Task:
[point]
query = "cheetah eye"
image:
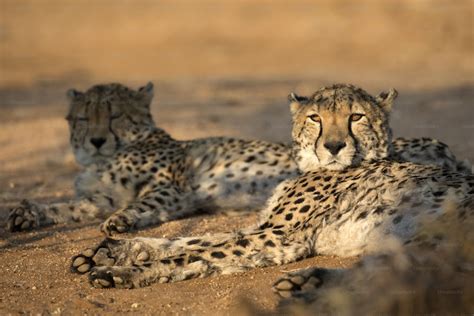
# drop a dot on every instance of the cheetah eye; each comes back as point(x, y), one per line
point(356, 117)
point(315, 118)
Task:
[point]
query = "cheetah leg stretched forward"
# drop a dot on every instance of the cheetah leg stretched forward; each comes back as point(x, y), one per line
point(29, 215)
point(162, 204)
point(139, 262)
point(152, 207)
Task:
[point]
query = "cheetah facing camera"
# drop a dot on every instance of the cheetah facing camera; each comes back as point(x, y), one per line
point(137, 175)
point(339, 129)
point(334, 210)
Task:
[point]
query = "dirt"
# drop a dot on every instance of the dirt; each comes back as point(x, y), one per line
point(219, 68)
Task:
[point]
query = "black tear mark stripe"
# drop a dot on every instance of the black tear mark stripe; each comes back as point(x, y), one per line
point(301, 129)
point(318, 138)
point(351, 134)
point(117, 139)
point(85, 134)
point(320, 134)
point(87, 111)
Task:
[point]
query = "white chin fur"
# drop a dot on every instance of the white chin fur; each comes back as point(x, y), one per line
point(85, 159)
point(307, 161)
point(310, 162)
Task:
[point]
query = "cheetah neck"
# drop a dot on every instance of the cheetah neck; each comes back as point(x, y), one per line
point(149, 133)
point(156, 134)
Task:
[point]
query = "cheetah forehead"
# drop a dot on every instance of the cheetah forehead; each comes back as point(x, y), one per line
point(110, 94)
point(342, 99)
point(113, 97)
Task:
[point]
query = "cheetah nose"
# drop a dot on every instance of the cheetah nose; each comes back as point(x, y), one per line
point(334, 147)
point(98, 142)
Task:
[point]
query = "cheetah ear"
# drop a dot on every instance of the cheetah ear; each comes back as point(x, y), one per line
point(147, 92)
point(386, 98)
point(296, 102)
point(73, 95)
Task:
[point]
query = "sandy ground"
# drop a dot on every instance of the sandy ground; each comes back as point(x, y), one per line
point(219, 68)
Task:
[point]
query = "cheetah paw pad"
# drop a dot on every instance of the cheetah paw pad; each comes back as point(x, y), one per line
point(24, 217)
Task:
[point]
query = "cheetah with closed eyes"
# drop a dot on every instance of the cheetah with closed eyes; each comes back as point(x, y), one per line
point(348, 197)
point(137, 175)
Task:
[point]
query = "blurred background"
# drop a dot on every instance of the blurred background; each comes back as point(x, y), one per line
point(126, 40)
point(226, 67)
point(220, 67)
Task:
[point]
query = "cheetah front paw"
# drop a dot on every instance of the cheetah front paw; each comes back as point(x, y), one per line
point(115, 277)
point(108, 253)
point(24, 217)
point(117, 224)
point(298, 283)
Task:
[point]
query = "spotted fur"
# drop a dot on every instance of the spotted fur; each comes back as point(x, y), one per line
point(137, 175)
point(343, 125)
point(402, 279)
point(330, 211)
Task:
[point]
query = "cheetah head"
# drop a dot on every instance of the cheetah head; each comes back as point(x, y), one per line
point(106, 117)
point(340, 126)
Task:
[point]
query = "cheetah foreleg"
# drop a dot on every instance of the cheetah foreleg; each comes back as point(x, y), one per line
point(156, 206)
point(200, 257)
point(29, 215)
